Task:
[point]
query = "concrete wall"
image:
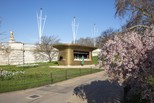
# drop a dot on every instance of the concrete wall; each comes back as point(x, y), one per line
point(23, 53)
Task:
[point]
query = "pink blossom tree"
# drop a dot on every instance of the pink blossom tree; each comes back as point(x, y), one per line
point(129, 59)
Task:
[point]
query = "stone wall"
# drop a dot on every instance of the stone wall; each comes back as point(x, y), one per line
point(21, 53)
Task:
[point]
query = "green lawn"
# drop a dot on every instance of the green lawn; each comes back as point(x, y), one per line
point(37, 76)
point(95, 59)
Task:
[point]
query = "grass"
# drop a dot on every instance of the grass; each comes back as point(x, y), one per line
point(95, 59)
point(38, 76)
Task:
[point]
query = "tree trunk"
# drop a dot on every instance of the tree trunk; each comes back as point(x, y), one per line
point(49, 57)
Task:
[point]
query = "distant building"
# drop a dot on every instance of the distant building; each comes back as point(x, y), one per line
point(21, 53)
point(96, 52)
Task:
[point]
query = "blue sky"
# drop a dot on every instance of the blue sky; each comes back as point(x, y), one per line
point(20, 16)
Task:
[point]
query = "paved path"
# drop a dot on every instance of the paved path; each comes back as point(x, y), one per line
point(69, 91)
point(75, 66)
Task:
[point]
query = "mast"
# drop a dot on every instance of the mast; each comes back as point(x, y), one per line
point(41, 23)
point(74, 29)
point(94, 33)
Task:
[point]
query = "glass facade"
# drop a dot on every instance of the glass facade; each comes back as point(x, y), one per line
point(79, 54)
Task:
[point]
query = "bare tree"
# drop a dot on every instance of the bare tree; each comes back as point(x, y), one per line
point(0, 24)
point(46, 45)
point(85, 41)
point(105, 36)
point(6, 50)
point(4, 47)
point(2, 34)
point(141, 12)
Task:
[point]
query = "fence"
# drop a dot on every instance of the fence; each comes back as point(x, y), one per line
point(25, 81)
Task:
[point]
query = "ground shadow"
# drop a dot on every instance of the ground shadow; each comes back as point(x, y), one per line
point(100, 92)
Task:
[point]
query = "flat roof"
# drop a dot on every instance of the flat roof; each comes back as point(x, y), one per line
point(58, 46)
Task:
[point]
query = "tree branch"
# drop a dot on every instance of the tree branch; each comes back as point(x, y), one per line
point(142, 11)
point(144, 26)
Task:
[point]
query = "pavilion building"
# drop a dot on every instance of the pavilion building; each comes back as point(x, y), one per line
point(72, 54)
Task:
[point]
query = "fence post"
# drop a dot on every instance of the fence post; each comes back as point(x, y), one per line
point(66, 74)
point(51, 78)
point(99, 68)
point(91, 70)
point(24, 80)
point(80, 71)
